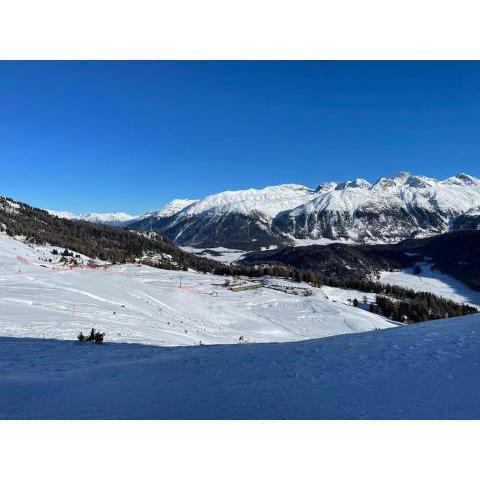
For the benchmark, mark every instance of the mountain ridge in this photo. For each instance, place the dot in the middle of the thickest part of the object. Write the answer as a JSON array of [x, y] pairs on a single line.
[[389, 210]]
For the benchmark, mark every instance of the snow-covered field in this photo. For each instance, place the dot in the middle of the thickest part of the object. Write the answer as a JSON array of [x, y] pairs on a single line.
[[226, 255], [146, 305], [433, 282], [428, 370], [424, 371]]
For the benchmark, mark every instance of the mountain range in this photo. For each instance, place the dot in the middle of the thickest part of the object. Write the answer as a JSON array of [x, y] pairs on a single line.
[[118, 218], [389, 210]]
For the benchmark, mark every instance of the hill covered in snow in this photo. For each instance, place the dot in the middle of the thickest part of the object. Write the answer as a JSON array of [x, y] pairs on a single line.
[[424, 371], [42, 297]]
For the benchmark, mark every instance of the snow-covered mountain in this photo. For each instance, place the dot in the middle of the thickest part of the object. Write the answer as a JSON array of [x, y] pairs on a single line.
[[237, 219], [469, 220], [117, 218], [125, 219], [389, 210], [392, 209], [169, 209]]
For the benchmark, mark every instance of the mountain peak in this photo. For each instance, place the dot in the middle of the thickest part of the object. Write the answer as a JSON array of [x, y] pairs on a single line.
[[405, 178], [467, 179], [402, 175], [357, 183], [170, 208], [462, 179], [326, 186]]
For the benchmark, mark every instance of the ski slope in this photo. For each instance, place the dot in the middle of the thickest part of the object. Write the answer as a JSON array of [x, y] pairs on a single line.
[[434, 282], [423, 371], [139, 304], [153, 366]]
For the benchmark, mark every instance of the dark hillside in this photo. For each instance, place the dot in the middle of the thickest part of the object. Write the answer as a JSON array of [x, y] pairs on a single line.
[[455, 253], [335, 260]]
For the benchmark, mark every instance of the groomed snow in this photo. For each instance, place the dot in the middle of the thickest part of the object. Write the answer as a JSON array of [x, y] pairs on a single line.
[[146, 305], [423, 371]]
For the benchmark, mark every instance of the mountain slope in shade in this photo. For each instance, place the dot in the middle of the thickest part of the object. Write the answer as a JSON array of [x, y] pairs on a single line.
[[424, 371], [468, 221]]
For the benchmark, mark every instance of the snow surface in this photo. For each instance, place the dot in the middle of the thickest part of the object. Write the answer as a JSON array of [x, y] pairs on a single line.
[[140, 304], [434, 282], [227, 255], [118, 218], [345, 204], [449, 197], [445, 199], [268, 201], [169, 209], [423, 371]]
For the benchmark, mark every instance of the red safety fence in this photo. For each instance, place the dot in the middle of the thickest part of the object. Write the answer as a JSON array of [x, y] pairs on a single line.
[[23, 260]]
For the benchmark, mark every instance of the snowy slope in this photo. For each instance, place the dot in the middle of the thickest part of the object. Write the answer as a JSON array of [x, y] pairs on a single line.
[[391, 209], [163, 307], [219, 254], [168, 210], [231, 219], [423, 371], [434, 282], [269, 201]]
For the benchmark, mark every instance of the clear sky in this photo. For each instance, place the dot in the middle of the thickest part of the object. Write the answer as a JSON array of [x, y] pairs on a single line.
[[110, 136]]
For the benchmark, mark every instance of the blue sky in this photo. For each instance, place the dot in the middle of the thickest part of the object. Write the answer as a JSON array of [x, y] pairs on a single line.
[[108, 136]]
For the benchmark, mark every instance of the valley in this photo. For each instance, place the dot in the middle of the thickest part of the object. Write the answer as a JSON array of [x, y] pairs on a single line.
[[141, 304]]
